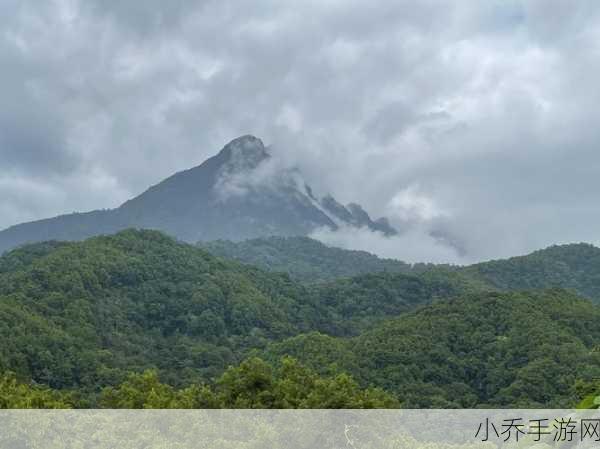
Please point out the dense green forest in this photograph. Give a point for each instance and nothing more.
(252, 384)
(303, 258)
(139, 320)
(574, 266)
(492, 349)
(85, 314)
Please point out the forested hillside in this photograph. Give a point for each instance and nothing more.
(488, 349)
(356, 304)
(303, 258)
(497, 350)
(573, 266)
(140, 320)
(85, 314)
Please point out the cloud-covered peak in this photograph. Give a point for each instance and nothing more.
(247, 145)
(244, 153)
(234, 195)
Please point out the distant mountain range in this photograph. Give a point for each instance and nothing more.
(234, 195)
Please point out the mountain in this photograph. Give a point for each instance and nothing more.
(237, 194)
(81, 317)
(524, 349)
(86, 313)
(572, 266)
(490, 350)
(303, 258)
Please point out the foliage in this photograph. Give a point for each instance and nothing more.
(490, 349)
(85, 314)
(575, 267)
(496, 350)
(356, 304)
(252, 384)
(303, 258)
(589, 393)
(14, 394)
(105, 319)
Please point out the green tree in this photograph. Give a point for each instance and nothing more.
(139, 391)
(14, 394)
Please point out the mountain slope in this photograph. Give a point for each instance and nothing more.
(573, 266)
(512, 349)
(85, 313)
(303, 258)
(353, 305)
(235, 195)
(524, 349)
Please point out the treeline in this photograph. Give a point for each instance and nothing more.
(252, 384)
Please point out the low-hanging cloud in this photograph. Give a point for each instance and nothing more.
(256, 169)
(473, 125)
(412, 246)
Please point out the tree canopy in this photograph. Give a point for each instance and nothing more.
(140, 320)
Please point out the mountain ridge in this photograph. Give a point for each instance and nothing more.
(233, 195)
(575, 265)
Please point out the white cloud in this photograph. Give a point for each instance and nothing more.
(412, 246)
(410, 204)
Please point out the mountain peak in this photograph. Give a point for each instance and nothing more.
(244, 152)
(247, 141)
(228, 196)
(245, 147)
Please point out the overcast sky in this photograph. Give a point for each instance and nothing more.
(474, 121)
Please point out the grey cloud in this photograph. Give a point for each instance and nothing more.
(395, 118)
(147, 17)
(486, 111)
